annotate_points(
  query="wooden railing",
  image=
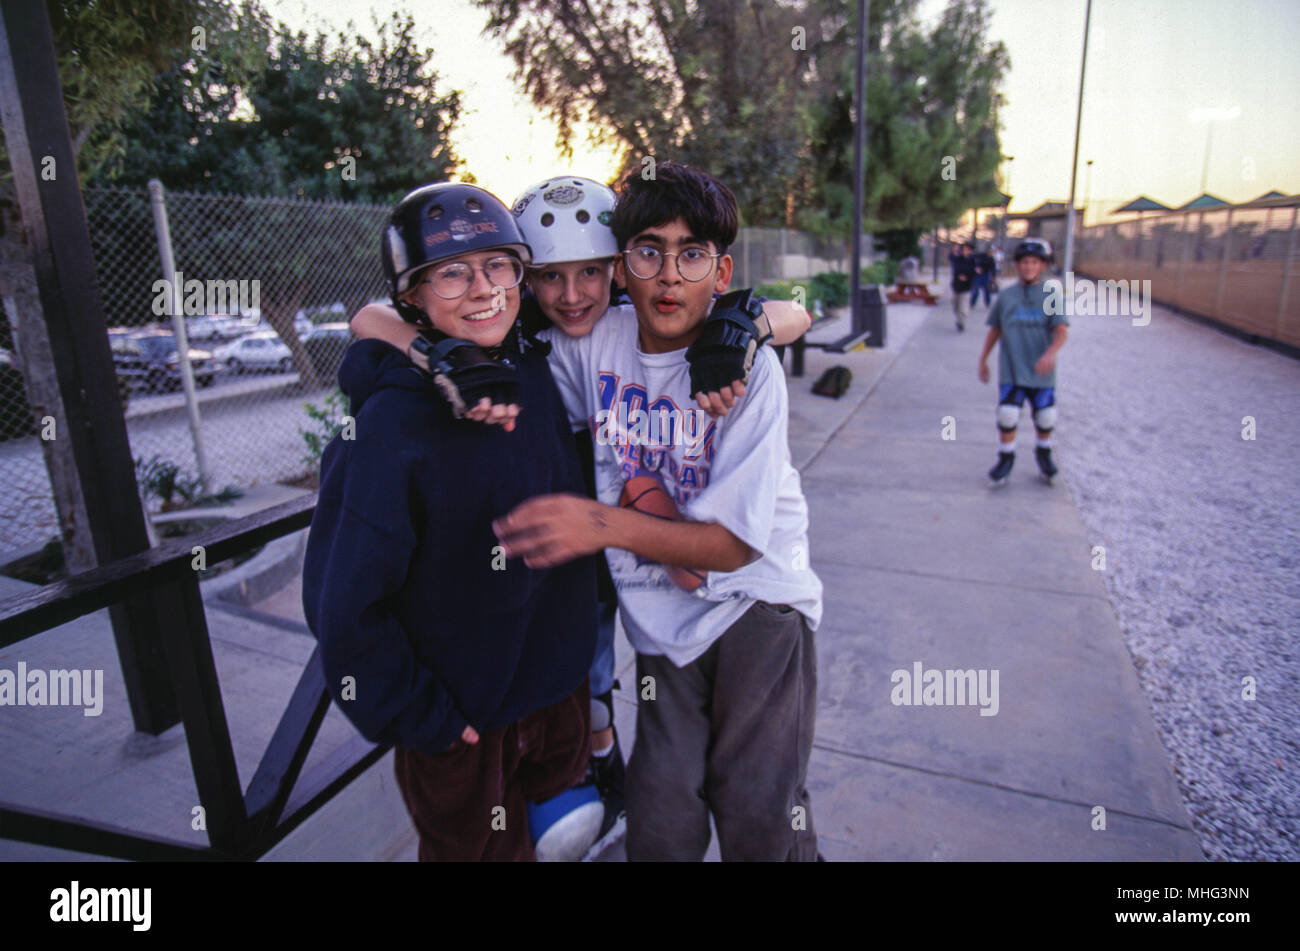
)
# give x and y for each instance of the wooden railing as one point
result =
(242, 825)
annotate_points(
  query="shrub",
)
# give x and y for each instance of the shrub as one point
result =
(328, 420)
(164, 480)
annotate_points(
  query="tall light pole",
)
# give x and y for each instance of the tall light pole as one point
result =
(859, 156)
(1209, 117)
(858, 330)
(1068, 263)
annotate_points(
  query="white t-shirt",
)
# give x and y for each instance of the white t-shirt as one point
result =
(734, 470)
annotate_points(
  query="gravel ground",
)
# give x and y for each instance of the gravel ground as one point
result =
(1202, 535)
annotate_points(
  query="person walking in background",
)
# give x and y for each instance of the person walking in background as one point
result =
(963, 278)
(983, 276)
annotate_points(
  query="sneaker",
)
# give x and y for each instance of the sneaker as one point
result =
(999, 474)
(1046, 467)
(608, 774)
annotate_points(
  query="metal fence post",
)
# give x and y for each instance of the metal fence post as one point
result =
(1223, 265)
(159, 204)
(1286, 271)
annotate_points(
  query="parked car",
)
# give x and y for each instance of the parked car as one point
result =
(203, 330)
(325, 344)
(263, 350)
(149, 360)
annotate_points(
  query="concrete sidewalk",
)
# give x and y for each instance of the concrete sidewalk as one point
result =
(922, 563)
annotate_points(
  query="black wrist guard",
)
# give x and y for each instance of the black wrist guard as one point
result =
(732, 334)
(464, 373)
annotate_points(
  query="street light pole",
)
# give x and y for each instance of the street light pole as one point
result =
(859, 150)
(858, 330)
(1074, 162)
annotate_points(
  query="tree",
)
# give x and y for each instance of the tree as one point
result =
(716, 85)
(350, 120)
(932, 136)
(760, 94)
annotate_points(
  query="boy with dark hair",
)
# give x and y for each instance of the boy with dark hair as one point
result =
(705, 528)
(963, 276)
(474, 668)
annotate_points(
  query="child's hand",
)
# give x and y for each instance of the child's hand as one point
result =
(550, 530)
(1045, 363)
(984, 372)
(721, 402)
(469, 735)
(494, 414)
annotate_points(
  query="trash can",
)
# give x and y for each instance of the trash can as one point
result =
(871, 301)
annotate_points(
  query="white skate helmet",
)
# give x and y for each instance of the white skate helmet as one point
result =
(567, 219)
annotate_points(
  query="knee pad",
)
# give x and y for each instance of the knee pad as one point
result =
(1008, 417)
(1045, 418)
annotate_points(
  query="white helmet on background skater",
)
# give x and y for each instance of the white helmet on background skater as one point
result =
(566, 218)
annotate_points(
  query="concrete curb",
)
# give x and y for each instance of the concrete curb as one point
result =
(275, 566)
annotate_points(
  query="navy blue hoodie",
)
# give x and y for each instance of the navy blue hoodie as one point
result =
(399, 585)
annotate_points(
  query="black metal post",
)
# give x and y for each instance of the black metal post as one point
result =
(858, 331)
(54, 222)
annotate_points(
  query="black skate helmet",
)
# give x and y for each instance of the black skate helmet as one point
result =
(1036, 247)
(442, 221)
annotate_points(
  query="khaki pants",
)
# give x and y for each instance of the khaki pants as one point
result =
(961, 305)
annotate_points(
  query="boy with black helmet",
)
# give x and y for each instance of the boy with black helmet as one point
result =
(474, 667)
(1031, 339)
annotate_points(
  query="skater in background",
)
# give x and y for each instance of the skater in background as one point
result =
(984, 279)
(1030, 340)
(963, 278)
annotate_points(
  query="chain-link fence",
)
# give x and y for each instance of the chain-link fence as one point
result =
(1236, 265)
(266, 286)
(774, 254)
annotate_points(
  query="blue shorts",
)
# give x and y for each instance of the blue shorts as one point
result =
(1039, 397)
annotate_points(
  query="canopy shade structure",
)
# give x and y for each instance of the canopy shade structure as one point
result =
(1142, 203)
(1202, 202)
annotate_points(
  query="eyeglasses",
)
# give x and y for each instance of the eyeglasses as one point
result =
(646, 261)
(455, 280)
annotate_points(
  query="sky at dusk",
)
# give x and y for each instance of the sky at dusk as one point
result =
(1152, 66)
